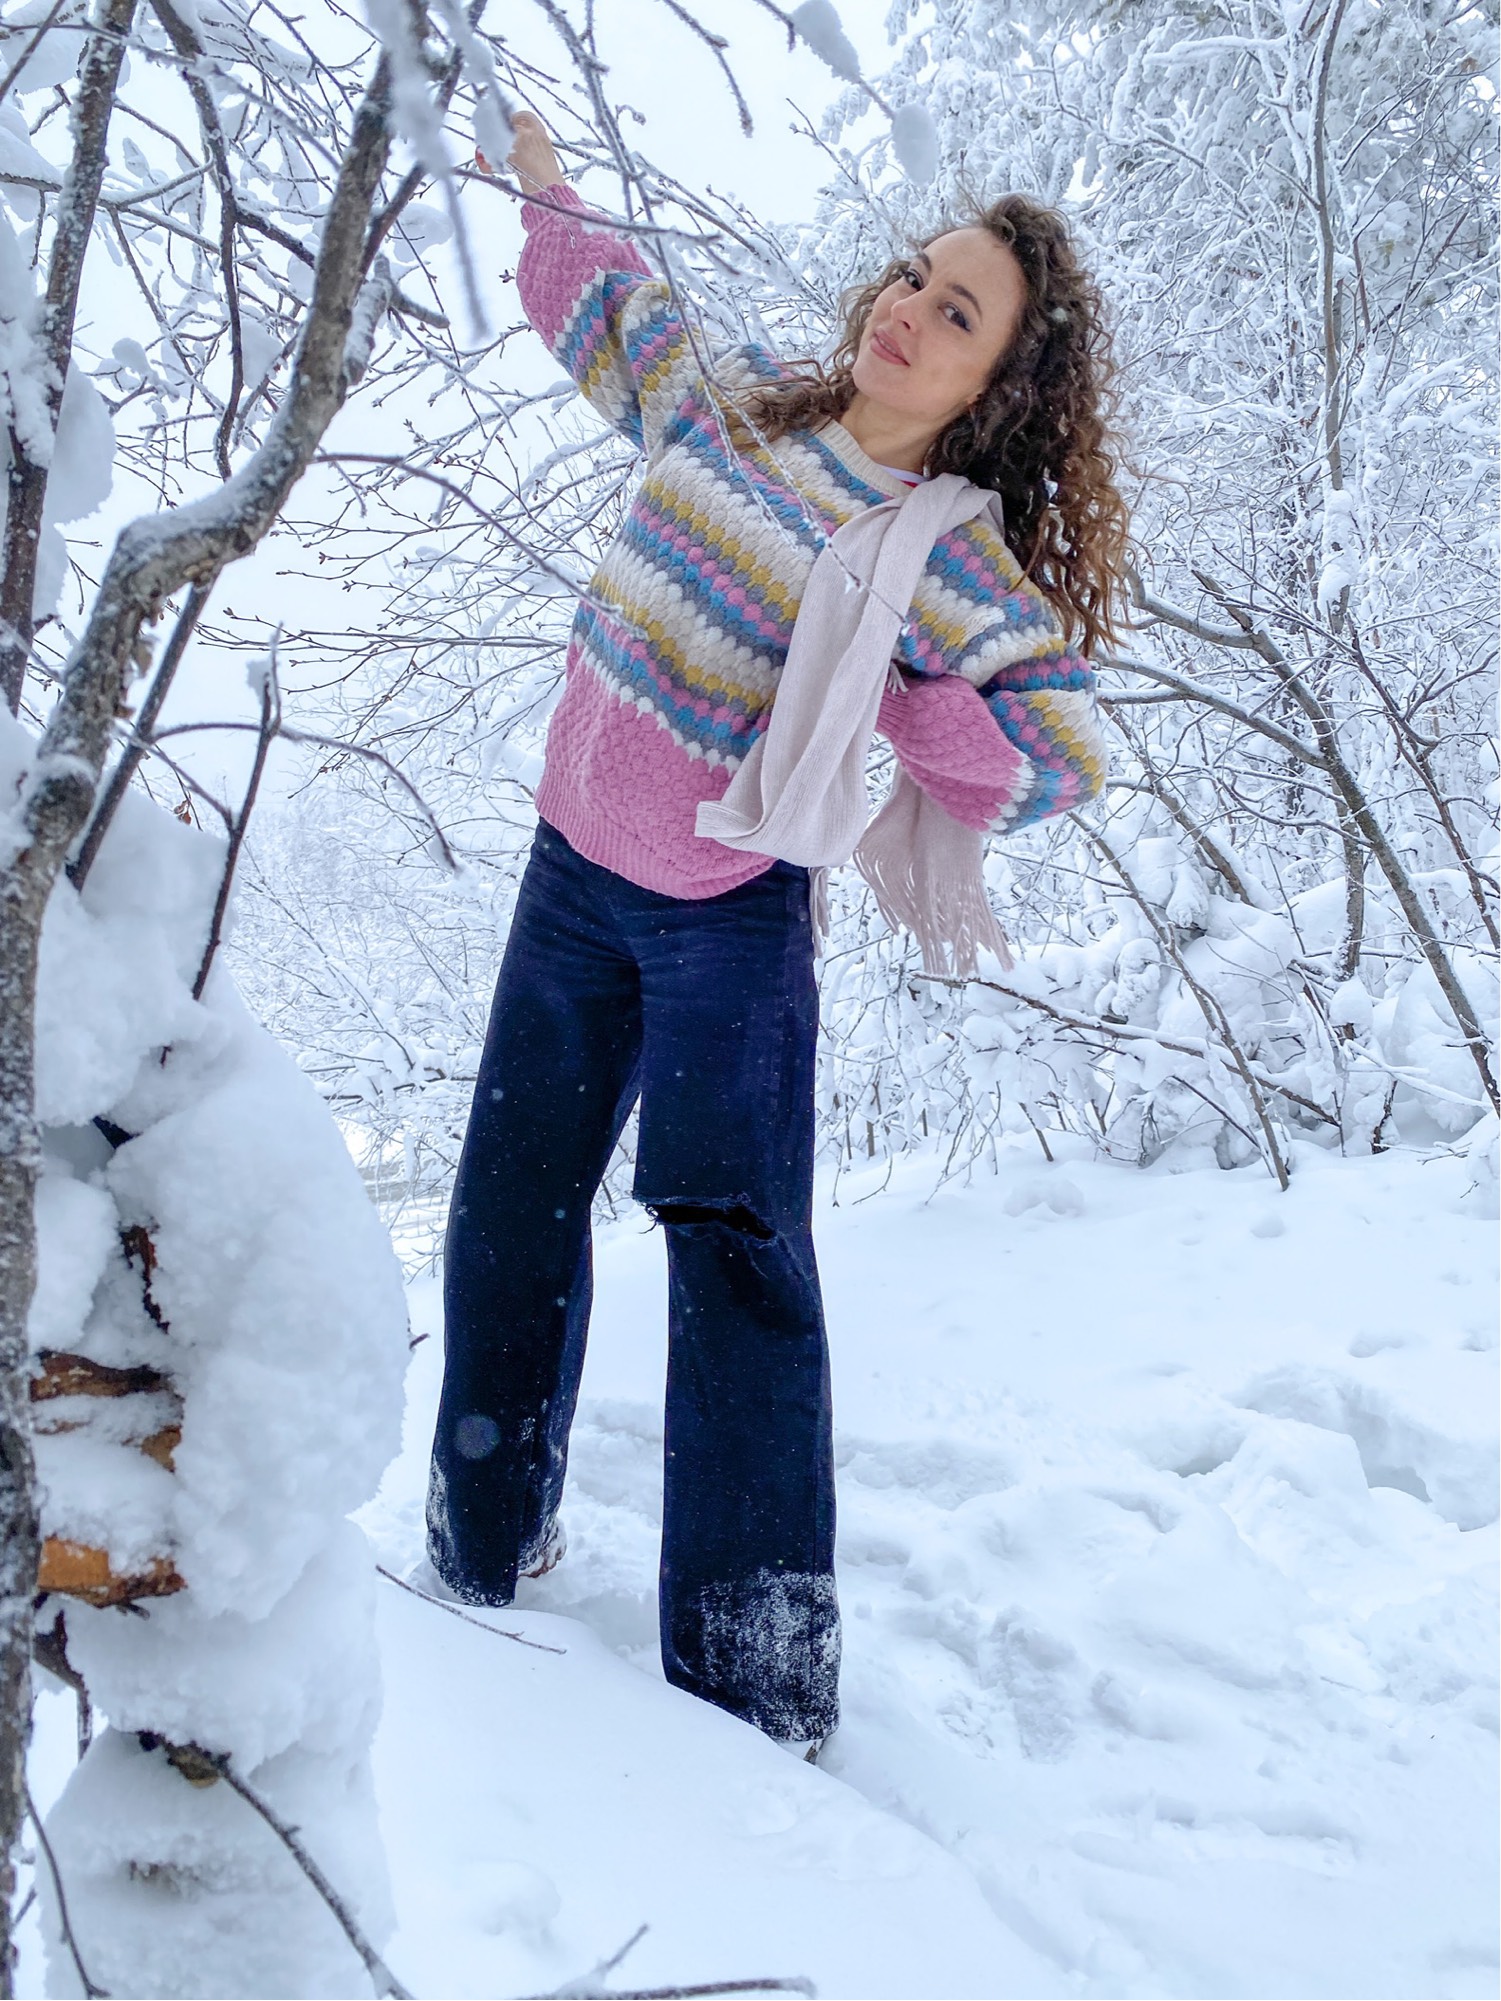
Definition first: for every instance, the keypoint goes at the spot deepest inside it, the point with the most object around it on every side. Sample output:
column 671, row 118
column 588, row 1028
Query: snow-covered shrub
column 219, row 1328
column 1306, row 694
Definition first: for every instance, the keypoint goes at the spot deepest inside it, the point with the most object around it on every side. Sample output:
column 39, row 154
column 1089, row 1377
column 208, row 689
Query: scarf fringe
column 946, row 910
column 818, row 908
column 924, row 869
column 950, row 927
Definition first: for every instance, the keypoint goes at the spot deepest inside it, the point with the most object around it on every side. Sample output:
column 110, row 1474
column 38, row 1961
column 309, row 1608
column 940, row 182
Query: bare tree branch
column 65, row 1923
column 468, row 1617
column 140, row 736
column 98, row 75
column 590, row 1987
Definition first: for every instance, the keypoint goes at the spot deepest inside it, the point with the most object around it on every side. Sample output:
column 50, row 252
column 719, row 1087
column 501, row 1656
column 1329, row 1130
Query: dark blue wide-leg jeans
column 705, row 1009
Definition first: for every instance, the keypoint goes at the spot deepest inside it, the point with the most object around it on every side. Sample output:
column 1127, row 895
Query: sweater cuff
column 892, row 710
column 560, row 194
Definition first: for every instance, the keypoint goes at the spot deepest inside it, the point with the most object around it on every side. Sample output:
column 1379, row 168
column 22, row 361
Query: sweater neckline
column 842, row 444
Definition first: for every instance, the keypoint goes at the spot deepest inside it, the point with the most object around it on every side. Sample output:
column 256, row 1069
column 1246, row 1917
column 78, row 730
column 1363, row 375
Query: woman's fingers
column 532, row 156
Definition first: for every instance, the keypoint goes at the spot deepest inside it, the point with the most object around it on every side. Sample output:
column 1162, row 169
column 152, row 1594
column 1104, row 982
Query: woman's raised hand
column 531, row 157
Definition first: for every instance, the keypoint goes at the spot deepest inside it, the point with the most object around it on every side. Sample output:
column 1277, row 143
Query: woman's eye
column 911, row 271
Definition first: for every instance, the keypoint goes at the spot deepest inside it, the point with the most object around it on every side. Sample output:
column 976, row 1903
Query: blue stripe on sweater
column 611, row 657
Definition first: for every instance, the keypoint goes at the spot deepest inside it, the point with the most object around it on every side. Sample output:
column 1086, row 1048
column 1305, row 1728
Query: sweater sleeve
column 947, row 741
column 603, row 314
column 995, row 718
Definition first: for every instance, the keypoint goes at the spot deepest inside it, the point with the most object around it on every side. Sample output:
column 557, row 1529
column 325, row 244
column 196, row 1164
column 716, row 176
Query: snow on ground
column 1167, row 1546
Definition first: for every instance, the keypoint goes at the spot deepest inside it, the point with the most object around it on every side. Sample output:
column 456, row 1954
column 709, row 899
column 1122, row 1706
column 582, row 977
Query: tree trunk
column 98, row 76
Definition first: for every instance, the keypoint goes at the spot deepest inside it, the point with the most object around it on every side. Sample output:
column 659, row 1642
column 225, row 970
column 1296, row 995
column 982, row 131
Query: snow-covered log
column 210, row 1410
column 145, row 1497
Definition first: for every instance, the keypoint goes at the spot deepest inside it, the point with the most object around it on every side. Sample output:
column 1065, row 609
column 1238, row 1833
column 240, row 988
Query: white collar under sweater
column 799, row 794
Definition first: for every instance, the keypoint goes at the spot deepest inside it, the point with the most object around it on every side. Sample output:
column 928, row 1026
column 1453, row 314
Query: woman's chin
column 877, row 388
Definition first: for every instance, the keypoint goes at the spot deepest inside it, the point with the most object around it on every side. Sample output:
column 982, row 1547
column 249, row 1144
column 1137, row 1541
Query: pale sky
column 691, row 127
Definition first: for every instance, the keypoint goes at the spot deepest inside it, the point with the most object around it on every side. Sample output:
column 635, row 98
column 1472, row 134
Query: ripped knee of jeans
column 728, row 1212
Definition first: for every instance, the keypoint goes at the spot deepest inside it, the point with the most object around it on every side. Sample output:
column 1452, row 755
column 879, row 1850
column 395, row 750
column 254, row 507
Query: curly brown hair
column 1039, row 434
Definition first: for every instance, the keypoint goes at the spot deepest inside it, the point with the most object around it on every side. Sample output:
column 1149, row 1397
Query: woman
column 645, row 960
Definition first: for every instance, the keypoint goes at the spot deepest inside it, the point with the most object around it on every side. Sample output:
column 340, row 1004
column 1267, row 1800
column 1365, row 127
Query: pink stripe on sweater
column 559, row 264
column 645, row 791
column 947, row 738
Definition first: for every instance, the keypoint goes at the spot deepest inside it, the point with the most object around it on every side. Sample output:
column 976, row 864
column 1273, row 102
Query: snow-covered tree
column 1293, row 218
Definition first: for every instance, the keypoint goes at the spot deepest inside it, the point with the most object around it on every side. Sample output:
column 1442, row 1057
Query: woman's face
column 936, row 333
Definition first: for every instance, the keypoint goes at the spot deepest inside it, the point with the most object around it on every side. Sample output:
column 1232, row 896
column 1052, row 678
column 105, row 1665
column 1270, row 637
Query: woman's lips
column 886, row 351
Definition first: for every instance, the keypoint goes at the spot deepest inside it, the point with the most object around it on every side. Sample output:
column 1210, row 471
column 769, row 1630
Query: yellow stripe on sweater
column 671, row 653
column 710, row 535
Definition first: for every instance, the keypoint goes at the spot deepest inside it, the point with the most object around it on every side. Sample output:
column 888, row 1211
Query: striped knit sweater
column 671, row 673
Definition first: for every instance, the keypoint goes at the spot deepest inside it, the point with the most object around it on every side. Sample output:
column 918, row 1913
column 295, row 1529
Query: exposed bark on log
column 76, row 1570
column 63, row 1375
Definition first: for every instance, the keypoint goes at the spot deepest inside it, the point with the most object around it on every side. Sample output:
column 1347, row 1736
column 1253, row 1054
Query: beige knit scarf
column 800, row 792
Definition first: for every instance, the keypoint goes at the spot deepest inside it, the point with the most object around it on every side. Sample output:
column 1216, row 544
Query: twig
column 190, row 48
column 589, row 1986
column 1125, row 1031
column 1416, row 750
column 718, row 44
column 458, row 493
column 609, row 1965
column 144, row 724
column 1209, row 1004
column 90, row 1987
column 50, row 1650
column 792, row 1984
column 1413, row 1079
column 500, row 1632
column 385, row 1981
column 270, row 725
column 290, row 735
column 1194, row 691
column 43, row 29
